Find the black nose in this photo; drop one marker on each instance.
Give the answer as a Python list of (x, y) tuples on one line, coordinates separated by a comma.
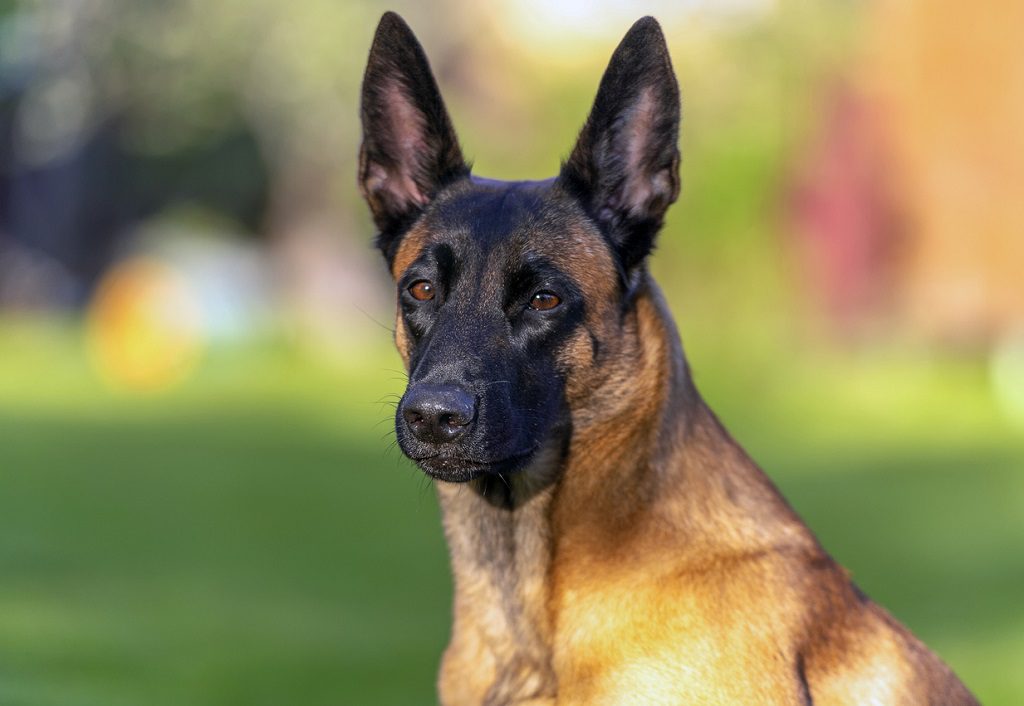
[(438, 414)]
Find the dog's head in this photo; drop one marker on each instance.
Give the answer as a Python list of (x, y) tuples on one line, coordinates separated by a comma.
[(511, 295)]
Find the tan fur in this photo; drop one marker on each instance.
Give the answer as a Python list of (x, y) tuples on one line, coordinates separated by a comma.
[(408, 251), (581, 255), (655, 563)]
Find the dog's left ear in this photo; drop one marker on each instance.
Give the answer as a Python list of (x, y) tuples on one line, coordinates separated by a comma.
[(409, 149), (625, 166)]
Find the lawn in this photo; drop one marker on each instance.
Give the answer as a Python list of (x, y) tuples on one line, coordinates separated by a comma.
[(249, 538)]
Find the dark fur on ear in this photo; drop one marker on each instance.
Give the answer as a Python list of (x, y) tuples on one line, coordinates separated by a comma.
[(409, 148), (625, 166)]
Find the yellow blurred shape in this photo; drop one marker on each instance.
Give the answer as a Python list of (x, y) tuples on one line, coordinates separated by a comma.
[(144, 326), (1008, 375)]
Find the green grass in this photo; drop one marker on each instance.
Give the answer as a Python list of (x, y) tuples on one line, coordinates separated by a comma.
[(249, 538)]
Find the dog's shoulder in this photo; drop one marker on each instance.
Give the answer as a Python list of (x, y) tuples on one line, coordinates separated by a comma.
[(856, 653)]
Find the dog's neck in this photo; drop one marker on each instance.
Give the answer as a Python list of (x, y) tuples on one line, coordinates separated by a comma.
[(502, 533), (501, 558), (646, 449)]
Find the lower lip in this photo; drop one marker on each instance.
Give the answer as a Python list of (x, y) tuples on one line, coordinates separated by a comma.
[(464, 470)]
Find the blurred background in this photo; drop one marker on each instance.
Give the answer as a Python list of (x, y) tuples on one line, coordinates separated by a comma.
[(200, 498)]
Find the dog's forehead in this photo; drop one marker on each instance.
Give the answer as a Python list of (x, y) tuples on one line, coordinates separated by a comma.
[(499, 225)]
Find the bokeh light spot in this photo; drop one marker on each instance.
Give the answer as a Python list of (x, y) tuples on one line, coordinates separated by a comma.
[(1008, 376), (145, 326)]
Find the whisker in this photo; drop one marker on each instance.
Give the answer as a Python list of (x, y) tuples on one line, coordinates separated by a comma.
[(371, 318)]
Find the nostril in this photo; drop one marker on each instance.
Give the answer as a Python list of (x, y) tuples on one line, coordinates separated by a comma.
[(454, 420), (413, 416), (438, 413)]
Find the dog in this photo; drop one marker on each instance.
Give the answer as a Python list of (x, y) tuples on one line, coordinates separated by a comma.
[(610, 542)]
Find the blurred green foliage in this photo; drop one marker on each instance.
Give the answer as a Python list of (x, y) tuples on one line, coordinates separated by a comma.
[(251, 538)]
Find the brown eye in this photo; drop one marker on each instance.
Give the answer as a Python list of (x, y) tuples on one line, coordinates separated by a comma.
[(544, 301), (422, 290)]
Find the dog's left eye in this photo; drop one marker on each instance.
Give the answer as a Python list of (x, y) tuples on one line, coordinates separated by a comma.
[(422, 290), (544, 301)]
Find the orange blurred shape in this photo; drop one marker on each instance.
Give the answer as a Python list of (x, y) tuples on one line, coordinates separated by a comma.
[(950, 78), (144, 326)]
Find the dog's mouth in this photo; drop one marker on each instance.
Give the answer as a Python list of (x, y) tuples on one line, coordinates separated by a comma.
[(453, 469)]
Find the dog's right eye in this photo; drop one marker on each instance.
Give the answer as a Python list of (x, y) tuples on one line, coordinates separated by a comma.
[(423, 290)]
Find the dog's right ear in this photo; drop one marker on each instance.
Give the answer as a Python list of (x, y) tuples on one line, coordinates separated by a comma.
[(409, 148)]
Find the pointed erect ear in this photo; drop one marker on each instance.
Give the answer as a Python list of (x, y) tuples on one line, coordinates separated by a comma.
[(409, 148), (625, 166)]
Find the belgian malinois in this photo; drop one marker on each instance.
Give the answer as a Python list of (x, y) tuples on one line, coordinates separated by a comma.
[(610, 543)]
